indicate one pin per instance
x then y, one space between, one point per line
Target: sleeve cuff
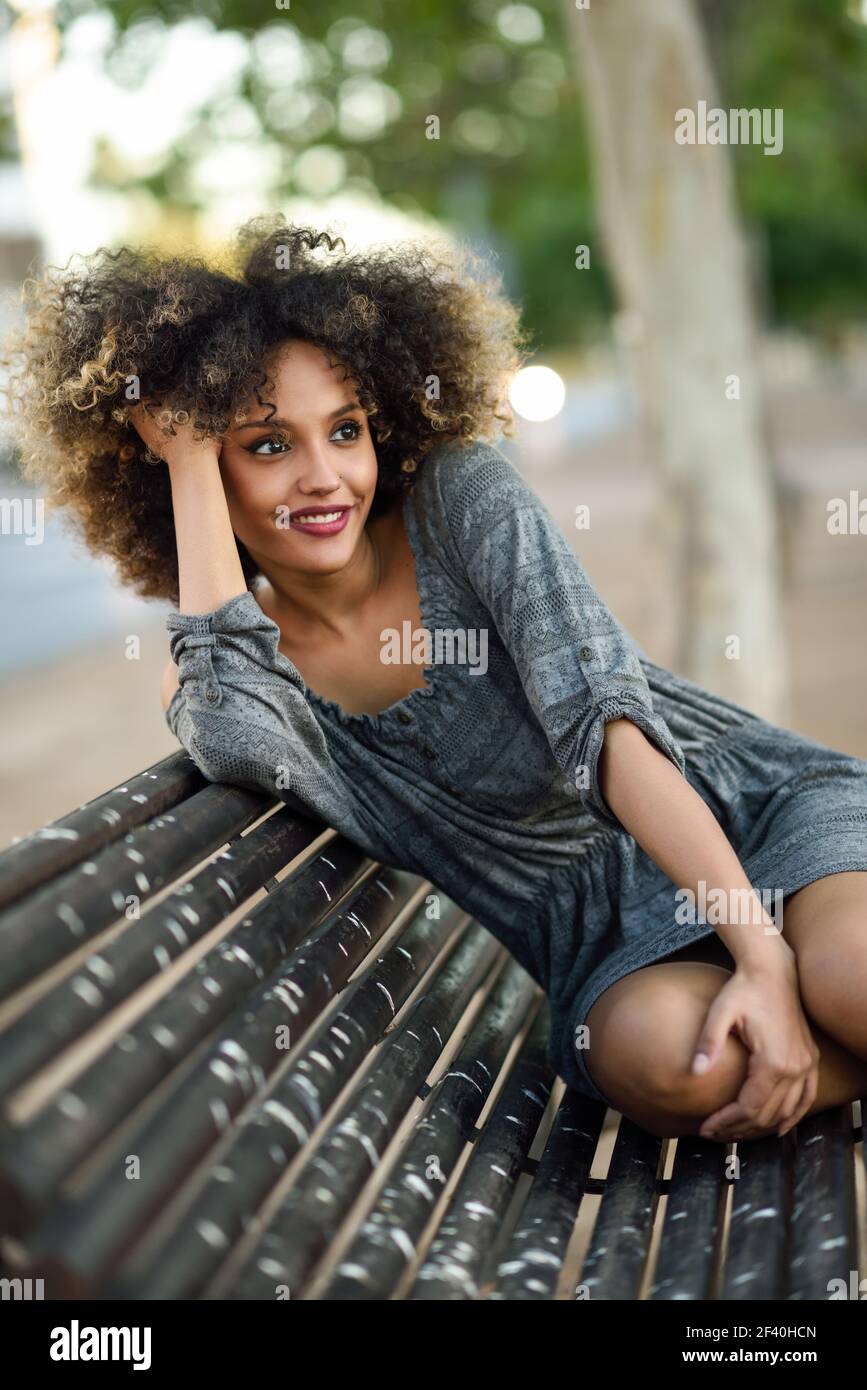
232 649
172 708
621 705
236 612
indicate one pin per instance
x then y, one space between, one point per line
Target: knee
677 1095
832 981
644 1065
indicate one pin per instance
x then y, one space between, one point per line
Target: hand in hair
169 434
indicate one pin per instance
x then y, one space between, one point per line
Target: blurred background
695 407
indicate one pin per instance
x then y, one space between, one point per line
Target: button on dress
486 778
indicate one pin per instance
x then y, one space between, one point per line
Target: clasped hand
761 1004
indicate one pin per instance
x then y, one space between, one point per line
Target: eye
258 450
352 425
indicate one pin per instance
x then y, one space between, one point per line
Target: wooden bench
241 1060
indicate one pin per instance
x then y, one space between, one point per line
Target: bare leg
643 1031
825 924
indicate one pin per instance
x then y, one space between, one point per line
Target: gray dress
485 781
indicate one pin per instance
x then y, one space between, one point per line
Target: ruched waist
696 717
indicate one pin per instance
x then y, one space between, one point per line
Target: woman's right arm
242 712
209 567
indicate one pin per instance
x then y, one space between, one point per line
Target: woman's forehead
298 368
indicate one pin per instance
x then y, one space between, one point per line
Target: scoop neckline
405 703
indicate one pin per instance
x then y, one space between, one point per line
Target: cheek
250 491
372 472
248 500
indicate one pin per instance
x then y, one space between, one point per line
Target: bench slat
688 1255
149 946
53 922
755 1258
310 1214
45 853
84 1234
823 1234
35 1159
614 1266
388 1240
453 1268
274 1131
532 1263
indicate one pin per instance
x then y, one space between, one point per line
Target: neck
328 602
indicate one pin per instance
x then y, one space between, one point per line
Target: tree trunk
677 259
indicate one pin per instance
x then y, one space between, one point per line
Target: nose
317 473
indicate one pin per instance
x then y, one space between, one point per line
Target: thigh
825 923
813 914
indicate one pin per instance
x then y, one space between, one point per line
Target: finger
724 1123
772 1112
805 1105
814 1088
790 1109
791 1101
711 1040
785 1113
742 1112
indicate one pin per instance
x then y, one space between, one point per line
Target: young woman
292 449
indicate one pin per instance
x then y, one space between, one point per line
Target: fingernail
700 1062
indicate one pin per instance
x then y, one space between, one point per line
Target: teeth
320 518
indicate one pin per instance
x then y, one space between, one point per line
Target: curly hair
429 341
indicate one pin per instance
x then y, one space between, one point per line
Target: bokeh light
537 393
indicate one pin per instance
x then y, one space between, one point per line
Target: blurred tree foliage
362 77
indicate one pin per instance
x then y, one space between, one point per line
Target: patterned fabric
486 781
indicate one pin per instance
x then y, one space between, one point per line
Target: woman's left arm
586 685
761 1001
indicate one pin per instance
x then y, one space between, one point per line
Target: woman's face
312 459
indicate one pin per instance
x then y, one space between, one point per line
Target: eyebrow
285 424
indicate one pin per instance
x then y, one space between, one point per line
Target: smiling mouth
318 518
320 521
